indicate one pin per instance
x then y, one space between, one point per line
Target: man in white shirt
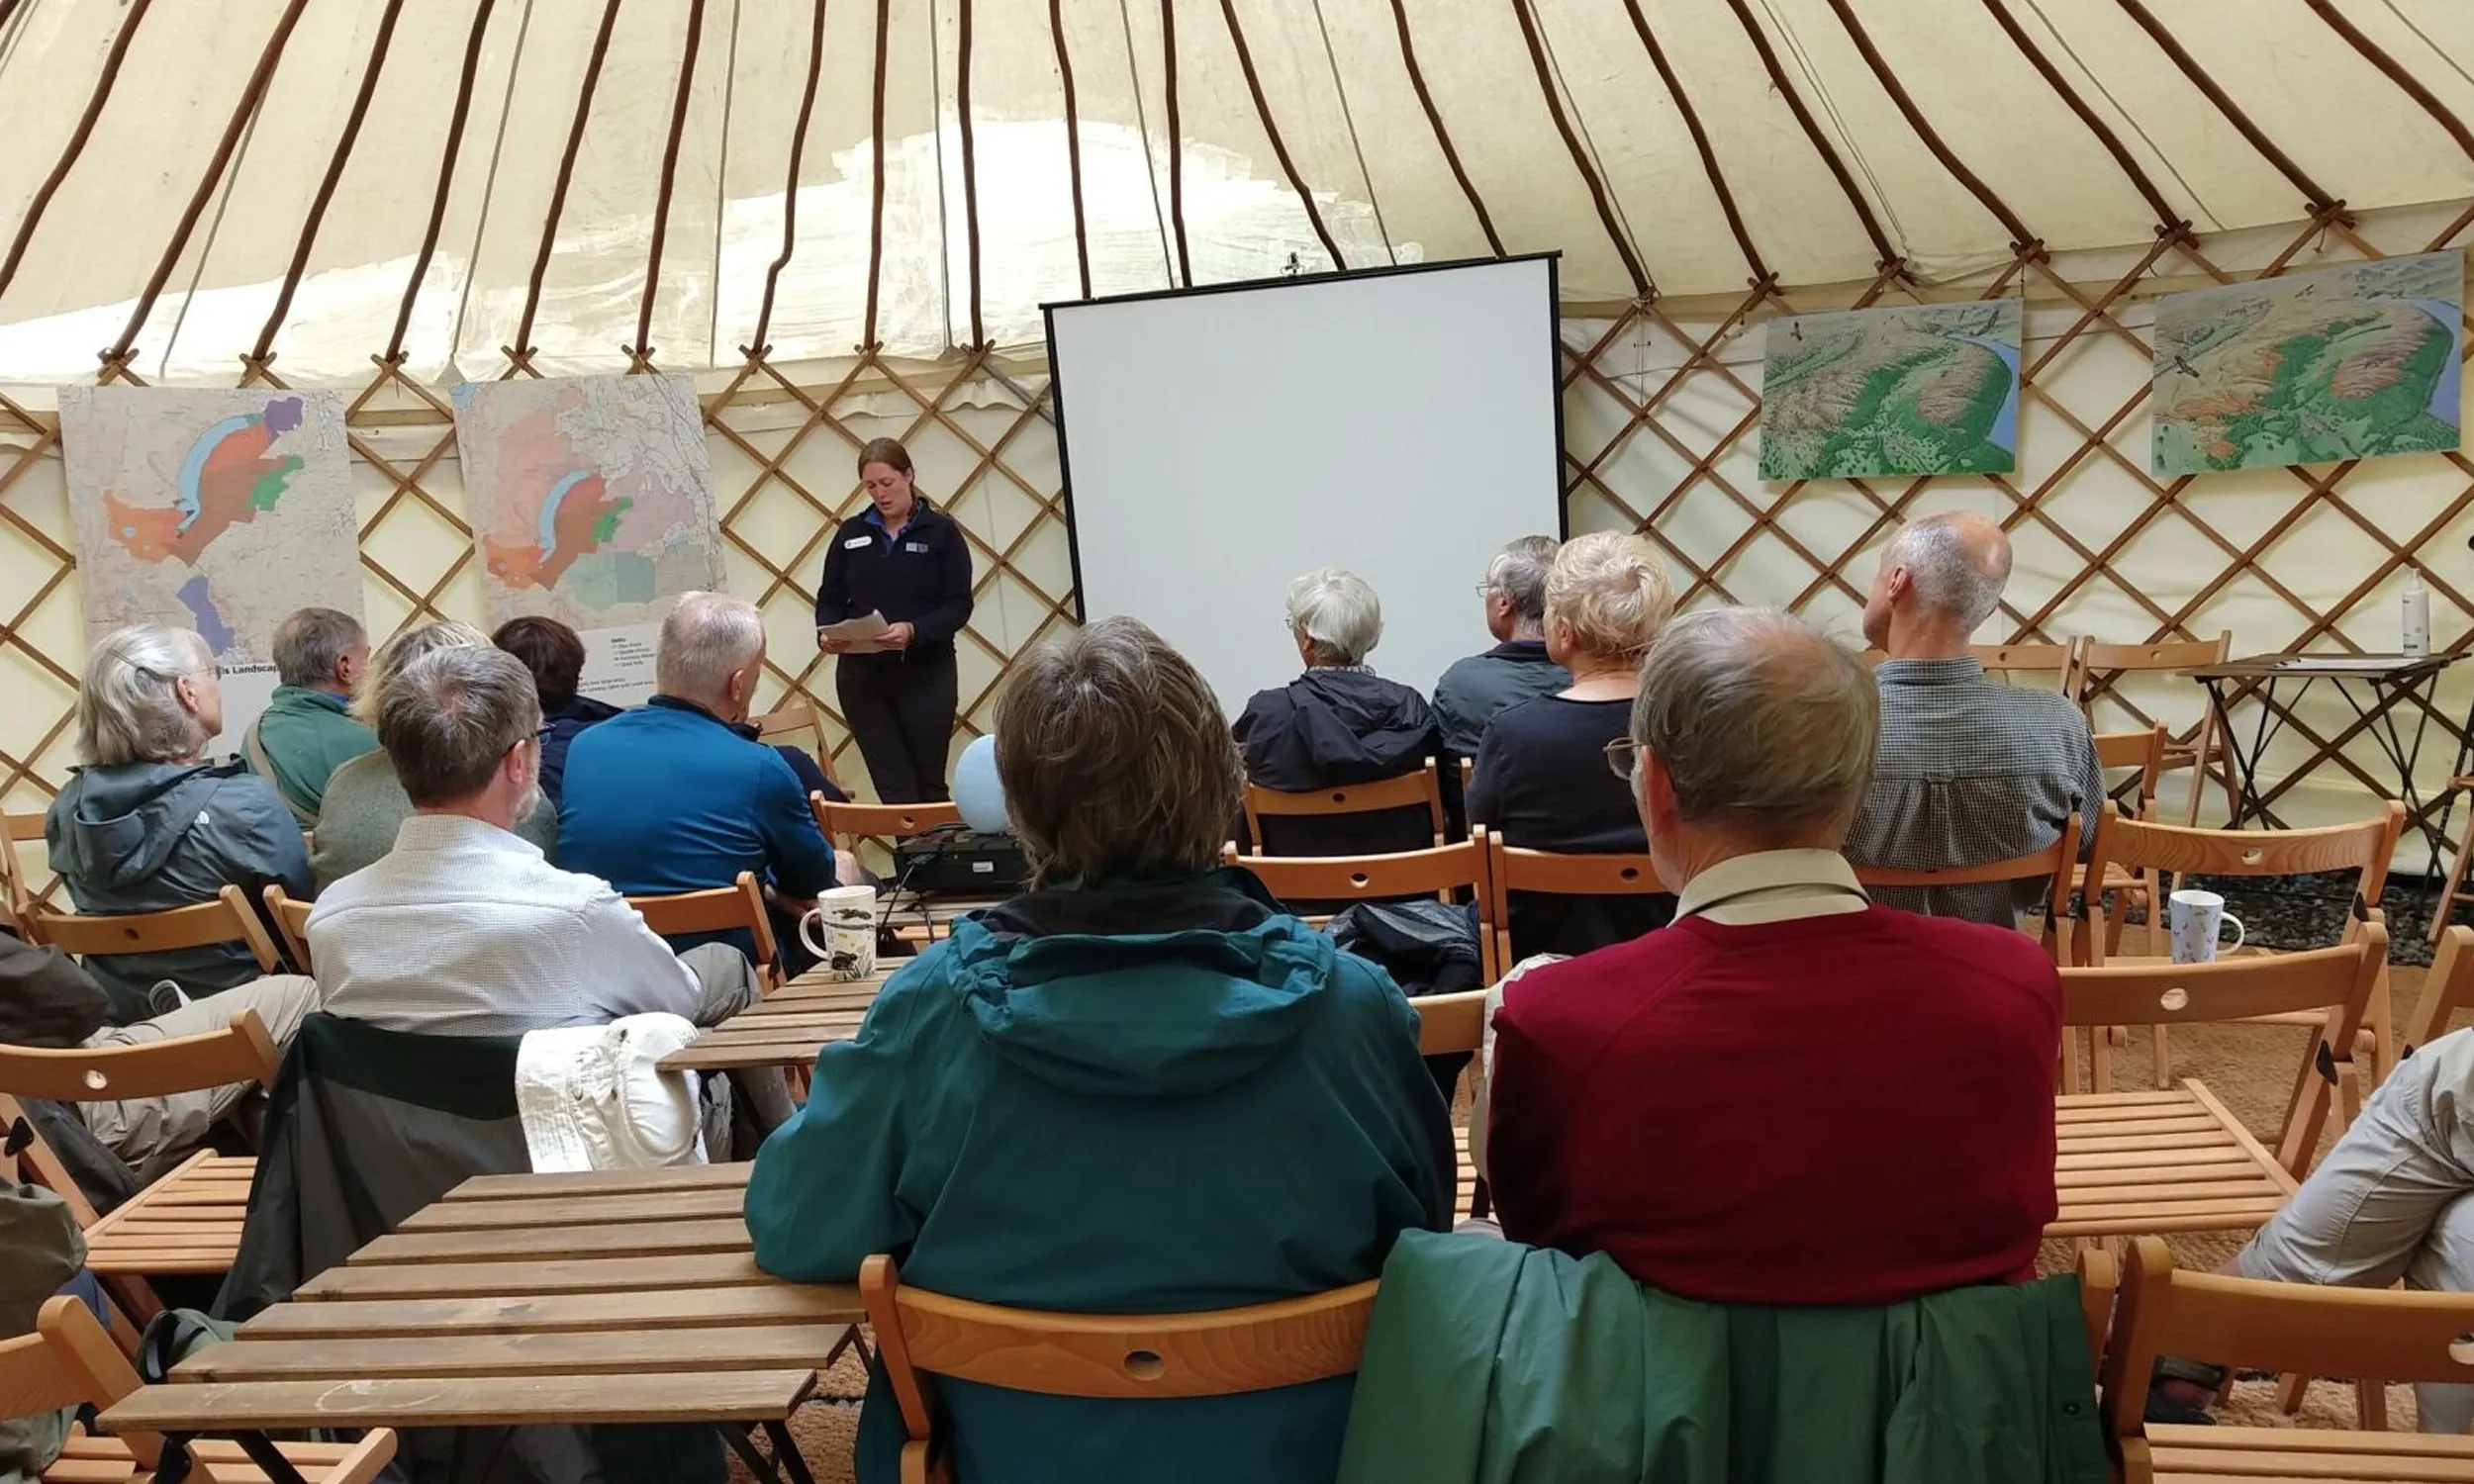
465 929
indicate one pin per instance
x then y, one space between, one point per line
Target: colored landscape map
1924 389
221 512
591 498
2347 363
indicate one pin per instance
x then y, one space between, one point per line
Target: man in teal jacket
307 731
1156 1094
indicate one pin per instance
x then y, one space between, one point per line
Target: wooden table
787 1028
623 1296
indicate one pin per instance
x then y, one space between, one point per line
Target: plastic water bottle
2417 617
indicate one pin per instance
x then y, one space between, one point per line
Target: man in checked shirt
1970 771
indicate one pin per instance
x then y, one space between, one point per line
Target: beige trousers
150 1133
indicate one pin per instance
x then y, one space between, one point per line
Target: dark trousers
901 710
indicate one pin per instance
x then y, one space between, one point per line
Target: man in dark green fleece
1141 1088
307 731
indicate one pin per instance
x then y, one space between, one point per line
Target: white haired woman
1541 778
365 804
1337 723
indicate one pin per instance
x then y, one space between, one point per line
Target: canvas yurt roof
195 181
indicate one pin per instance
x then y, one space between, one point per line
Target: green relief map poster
2310 368
1924 389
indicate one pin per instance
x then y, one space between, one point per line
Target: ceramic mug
2198 918
840 930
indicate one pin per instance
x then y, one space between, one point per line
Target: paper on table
862 636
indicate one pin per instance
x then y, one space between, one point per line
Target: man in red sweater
1790 1095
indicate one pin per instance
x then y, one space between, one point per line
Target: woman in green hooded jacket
1142 1087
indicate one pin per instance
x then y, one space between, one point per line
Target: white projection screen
1218 442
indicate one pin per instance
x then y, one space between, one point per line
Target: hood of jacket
117 825
1336 726
1061 989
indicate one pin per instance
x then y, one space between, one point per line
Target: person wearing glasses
1518 666
365 805
464 929
1552 771
1793 1095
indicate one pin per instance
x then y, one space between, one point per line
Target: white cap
594 1097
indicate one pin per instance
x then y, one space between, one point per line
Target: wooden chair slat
225 919
737 907
721 1396
242 1052
1422 789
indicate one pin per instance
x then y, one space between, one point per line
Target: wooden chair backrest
37 1162
2142 845
1440 871
16 900
846 823
2100 1277
2061 659
2100 661
242 1052
1550 873
225 919
1450 1022
719 909
792 719
2152 994
291 920
2058 863
2448 988
1409 790
2145 751
2299 1329
1220 1353
69 1362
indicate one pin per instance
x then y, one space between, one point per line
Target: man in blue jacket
672 796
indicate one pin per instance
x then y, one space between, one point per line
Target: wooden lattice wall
1661 406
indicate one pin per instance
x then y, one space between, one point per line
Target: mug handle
814 919
2238 935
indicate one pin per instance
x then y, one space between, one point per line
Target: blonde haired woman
1544 778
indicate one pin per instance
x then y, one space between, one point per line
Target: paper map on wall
591 503
2310 368
1922 389
218 510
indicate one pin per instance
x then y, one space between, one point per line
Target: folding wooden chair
189 1220
2056 865
1222 1353
68 1361
2376 1334
2006 660
1443 871
797 722
740 907
2447 988
16 898
2146 752
1448 1024
291 920
2175 1160
225 919
2101 665
847 824
2165 853
1409 790
1549 874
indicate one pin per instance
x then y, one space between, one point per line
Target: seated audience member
147 825
365 804
1337 723
1790 1095
1971 771
1542 781
464 928
2393 1200
46 999
307 731
675 796
554 653
1097 1097
1518 668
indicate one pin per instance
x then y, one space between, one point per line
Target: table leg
786 1452
269 1458
2245 761
741 1441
